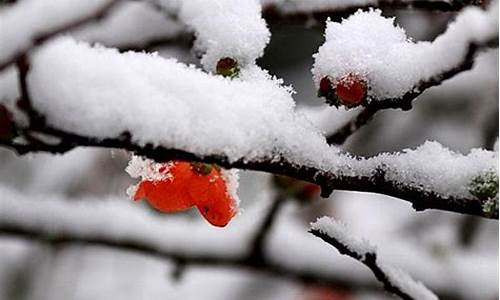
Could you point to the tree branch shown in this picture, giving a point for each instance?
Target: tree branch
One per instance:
(183, 258)
(41, 38)
(405, 102)
(257, 248)
(344, 132)
(274, 14)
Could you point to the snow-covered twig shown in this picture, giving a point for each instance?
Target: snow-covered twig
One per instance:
(395, 281)
(19, 39)
(389, 89)
(87, 222)
(399, 175)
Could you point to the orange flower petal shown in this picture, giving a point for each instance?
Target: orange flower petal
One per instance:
(212, 199)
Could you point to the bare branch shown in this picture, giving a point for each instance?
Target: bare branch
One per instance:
(62, 28)
(256, 253)
(264, 265)
(274, 14)
(344, 132)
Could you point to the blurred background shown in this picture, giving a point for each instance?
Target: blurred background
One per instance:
(455, 256)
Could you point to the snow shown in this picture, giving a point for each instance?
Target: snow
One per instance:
(340, 232)
(226, 28)
(99, 92)
(373, 47)
(147, 169)
(434, 167)
(407, 284)
(24, 21)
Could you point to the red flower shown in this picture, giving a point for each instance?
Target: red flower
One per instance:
(182, 185)
(351, 90)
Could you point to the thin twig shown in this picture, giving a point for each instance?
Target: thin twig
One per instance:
(273, 14)
(257, 248)
(369, 259)
(71, 25)
(343, 133)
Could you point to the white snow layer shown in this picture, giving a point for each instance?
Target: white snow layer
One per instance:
(223, 28)
(362, 247)
(100, 92)
(226, 28)
(374, 47)
(24, 21)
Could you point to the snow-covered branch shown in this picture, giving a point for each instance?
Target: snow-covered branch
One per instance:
(274, 139)
(124, 225)
(394, 280)
(28, 24)
(348, 50)
(186, 242)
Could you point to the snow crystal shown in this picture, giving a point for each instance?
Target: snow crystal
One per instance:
(371, 45)
(24, 21)
(147, 169)
(339, 231)
(226, 28)
(434, 167)
(232, 179)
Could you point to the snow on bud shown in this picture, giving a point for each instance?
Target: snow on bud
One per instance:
(227, 67)
(485, 187)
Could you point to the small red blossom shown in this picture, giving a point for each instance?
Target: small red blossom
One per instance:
(351, 90)
(190, 184)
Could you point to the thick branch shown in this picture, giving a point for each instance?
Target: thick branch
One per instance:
(328, 181)
(273, 13)
(280, 165)
(183, 258)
